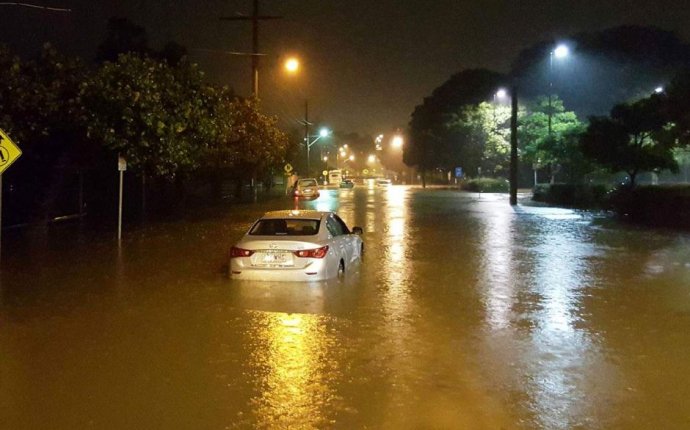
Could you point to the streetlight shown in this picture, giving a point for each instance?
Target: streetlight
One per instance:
(397, 142)
(292, 65)
(659, 89)
(501, 94)
(324, 132)
(561, 51)
(371, 158)
(378, 141)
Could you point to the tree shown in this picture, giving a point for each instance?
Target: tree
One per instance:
(629, 140)
(478, 137)
(149, 112)
(42, 111)
(428, 145)
(261, 146)
(558, 150)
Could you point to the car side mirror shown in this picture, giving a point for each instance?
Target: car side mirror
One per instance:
(357, 230)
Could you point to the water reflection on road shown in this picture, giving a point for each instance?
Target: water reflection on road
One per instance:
(466, 313)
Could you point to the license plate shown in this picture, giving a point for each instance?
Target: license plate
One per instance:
(276, 258)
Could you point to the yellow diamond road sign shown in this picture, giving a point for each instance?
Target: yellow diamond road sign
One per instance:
(9, 152)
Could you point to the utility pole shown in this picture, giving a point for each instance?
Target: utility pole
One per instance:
(255, 18)
(306, 132)
(513, 145)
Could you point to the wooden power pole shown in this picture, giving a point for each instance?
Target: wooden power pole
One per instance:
(255, 18)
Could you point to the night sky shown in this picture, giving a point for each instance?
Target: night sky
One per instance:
(366, 63)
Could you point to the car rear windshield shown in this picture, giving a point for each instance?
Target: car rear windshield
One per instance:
(285, 227)
(307, 182)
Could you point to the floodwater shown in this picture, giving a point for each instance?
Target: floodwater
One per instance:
(466, 313)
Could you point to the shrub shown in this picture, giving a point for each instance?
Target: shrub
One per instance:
(572, 195)
(655, 205)
(486, 185)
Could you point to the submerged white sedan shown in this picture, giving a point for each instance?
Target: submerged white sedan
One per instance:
(296, 245)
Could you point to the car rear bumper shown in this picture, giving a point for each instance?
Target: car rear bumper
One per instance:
(316, 271)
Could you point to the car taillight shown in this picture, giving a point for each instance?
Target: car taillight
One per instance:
(239, 252)
(312, 253)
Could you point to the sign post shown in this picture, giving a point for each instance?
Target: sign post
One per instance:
(9, 152)
(121, 167)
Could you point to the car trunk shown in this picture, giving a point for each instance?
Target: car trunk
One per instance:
(278, 253)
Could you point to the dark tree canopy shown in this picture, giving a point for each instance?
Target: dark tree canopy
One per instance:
(604, 68)
(629, 139)
(428, 132)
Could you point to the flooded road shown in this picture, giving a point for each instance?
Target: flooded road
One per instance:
(466, 313)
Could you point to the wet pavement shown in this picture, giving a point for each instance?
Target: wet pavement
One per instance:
(466, 313)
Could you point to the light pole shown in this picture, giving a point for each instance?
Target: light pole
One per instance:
(292, 67)
(561, 51)
(324, 132)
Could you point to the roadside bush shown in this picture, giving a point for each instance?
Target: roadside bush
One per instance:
(486, 185)
(571, 195)
(654, 205)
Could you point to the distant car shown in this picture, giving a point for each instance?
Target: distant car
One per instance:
(296, 246)
(307, 188)
(383, 183)
(347, 183)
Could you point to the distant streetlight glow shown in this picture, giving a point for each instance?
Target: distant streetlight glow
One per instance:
(501, 93)
(397, 142)
(352, 157)
(561, 51)
(292, 65)
(371, 158)
(659, 90)
(325, 158)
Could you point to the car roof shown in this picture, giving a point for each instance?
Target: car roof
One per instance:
(303, 214)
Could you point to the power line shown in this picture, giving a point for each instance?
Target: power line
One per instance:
(35, 6)
(255, 18)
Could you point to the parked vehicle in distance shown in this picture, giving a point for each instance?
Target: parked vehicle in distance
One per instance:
(347, 183)
(383, 182)
(307, 188)
(296, 245)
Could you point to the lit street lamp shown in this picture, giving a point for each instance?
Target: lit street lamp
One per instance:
(324, 132)
(561, 51)
(292, 65)
(397, 142)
